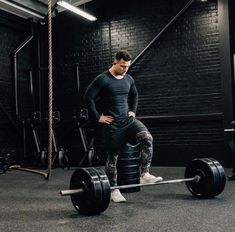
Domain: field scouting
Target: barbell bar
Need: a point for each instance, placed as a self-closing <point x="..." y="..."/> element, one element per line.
<point x="90" y="189"/>
<point x="82" y="190"/>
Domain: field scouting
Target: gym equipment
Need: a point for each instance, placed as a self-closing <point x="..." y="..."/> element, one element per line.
<point x="35" y="124"/>
<point x="88" y="146"/>
<point x="128" y="167"/>
<point x="212" y="177"/>
<point x="90" y="189"/>
<point x="7" y="158"/>
<point x="231" y="131"/>
<point x="58" y="152"/>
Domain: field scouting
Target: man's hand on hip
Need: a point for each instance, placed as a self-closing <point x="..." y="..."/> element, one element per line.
<point x="106" y="119"/>
<point x="131" y="114"/>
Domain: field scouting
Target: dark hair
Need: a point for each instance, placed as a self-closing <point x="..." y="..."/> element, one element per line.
<point x="122" y="54"/>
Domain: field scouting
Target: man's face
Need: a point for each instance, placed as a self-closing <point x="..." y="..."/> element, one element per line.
<point x="121" y="66"/>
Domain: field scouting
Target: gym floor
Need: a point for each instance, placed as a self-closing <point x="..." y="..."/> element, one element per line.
<point x="28" y="202"/>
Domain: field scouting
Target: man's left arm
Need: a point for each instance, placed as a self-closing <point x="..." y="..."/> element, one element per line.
<point x="133" y="100"/>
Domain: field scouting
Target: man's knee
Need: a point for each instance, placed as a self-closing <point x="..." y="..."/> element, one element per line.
<point x="144" y="136"/>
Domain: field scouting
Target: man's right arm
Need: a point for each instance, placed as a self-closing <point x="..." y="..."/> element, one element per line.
<point x="90" y="96"/>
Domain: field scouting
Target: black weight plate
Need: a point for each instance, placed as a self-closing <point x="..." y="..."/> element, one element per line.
<point x="63" y="159"/>
<point x="130" y="181"/>
<point x="130" y="190"/>
<point x="44" y="160"/>
<point x="216" y="174"/>
<point x="128" y="175"/>
<point x="89" y="201"/>
<point x="128" y="168"/>
<point x="61" y="156"/>
<point x="222" y="176"/>
<point x="106" y="193"/>
<point x="131" y="148"/>
<point x="129" y="155"/>
<point x="127" y="182"/>
<point x="128" y="161"/>
<point x="206" y="187"/>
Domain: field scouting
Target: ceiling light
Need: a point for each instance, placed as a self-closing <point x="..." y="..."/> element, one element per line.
<point x="76" y="10"/>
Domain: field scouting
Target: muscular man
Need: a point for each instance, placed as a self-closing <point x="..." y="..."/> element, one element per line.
<point x="112" y="99"/>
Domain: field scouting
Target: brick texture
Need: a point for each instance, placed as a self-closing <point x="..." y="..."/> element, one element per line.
<point x="178" y="75"/>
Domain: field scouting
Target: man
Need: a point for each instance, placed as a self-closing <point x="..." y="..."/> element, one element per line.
<point x="112" y="100"/>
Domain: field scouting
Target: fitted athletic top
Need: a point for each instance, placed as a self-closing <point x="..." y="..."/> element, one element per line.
<point x="110" y="96"/>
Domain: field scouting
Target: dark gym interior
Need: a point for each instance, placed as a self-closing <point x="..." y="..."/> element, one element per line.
<point x="183" y="66"/>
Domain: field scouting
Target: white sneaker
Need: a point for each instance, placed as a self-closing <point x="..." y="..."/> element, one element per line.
<point x="148" y="178"/>
<point x="116" y="196"/>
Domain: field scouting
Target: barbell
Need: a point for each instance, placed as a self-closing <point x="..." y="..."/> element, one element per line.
<point x="90" y="190"/>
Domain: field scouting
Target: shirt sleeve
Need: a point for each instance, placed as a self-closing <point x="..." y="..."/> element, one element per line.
<point x="92" y="94"/>
<point x="133" y="97"/>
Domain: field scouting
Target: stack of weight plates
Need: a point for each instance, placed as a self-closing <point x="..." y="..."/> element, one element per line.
<point x="128" y="168"/>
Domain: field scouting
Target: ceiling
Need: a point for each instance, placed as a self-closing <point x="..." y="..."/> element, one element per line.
<point x="35" y="9"/>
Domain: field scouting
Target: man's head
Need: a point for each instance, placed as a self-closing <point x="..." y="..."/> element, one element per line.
<point x="123" y="54"/>
<point x="121" y="63"/>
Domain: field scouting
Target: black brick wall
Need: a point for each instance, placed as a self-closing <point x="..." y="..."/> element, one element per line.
<point x="184" y="66"/>
<point x="178" y="75"/>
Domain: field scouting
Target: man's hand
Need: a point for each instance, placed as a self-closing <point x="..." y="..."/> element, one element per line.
<point x="131" y="114"/>
<point x="106" y="119"/>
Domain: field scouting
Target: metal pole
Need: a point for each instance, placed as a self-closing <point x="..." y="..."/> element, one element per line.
<point x="196" y="179"/>
<point x="15" y="73"/>
<point x="81" y="190"/>
<point x="162" y="31"/>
